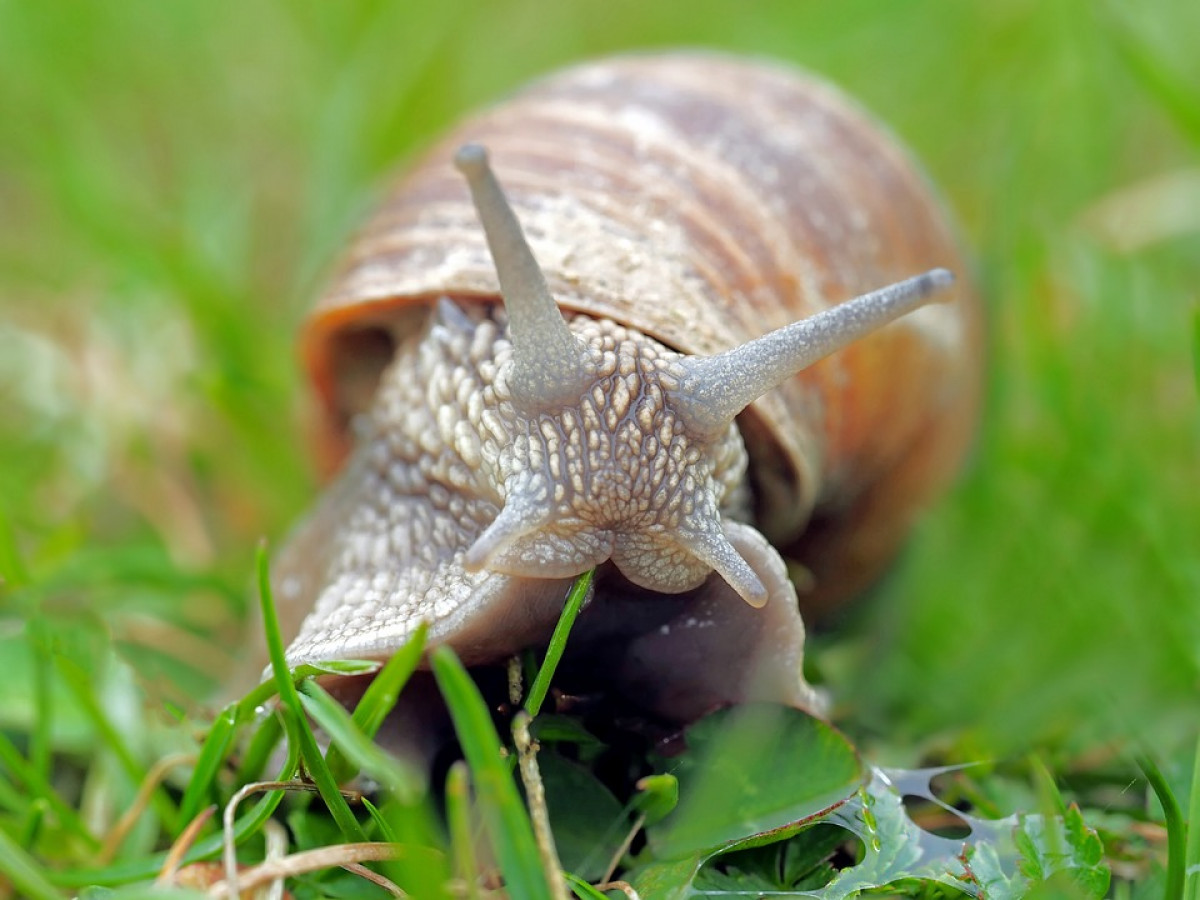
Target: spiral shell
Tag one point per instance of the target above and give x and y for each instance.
(702, 201)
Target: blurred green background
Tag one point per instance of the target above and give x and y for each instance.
(176, 178)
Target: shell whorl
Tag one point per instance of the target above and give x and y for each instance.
(704, 201)
(645, 414)
(682, 206)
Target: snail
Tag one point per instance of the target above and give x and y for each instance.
(634, 347)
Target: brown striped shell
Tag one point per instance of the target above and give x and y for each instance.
(702, 200)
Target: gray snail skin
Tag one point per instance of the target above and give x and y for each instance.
(682, 334)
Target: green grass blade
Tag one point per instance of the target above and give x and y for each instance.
(358, 749)
(210, 846)
(425, 874)
(1196, 348)
(582, 889)
(12, 567)
(269, 689)
(149, 866)
(406, 818)
(81, 685)
(1192, 855)
(34, 818)
(558, 642)
(384, 689)
(40, 740)
(379, 698)
(310, 753)
(20, 869)
(1173, 90)
(13, 800)
(386, 832)
(212, 756)
(504, 817)
(37, 785)
(1175, 827)
(458, 819)
(258, 753)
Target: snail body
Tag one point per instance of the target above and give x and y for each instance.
(623, 368)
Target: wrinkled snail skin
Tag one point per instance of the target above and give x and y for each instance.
(618, 387)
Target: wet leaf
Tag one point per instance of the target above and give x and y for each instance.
(755, 772)
(659, 796)
(588, 821)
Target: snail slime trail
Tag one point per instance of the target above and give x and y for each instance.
(683, 334)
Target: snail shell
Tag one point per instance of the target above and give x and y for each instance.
(679, 207)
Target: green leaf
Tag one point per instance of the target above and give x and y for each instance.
(754, 772)
(659, 795)
(1006, 858)
(797, 864)
(893, 846)
(669, 880)
(504, 817)
(589, 823)
(1062, 847)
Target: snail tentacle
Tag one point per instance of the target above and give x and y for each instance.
(714, 549)
(548, 363)
(715, 389)
(518, 517)
(505, 445)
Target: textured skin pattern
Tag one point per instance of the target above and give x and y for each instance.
(613, 477)
(705, 200)
(702, 201)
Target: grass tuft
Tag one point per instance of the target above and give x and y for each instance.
(505, 820)
(164, 236)
(297, 726)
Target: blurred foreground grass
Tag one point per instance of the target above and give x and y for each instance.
(175, 179)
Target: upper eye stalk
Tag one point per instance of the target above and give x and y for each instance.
(548, 362)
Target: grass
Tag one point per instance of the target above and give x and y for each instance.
(175, 182)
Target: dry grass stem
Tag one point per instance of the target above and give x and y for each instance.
(276, 848)
(539, 815)
(623, 886)
(375, 878)
(624, 848)
(230, 855)
(306, 861)
(183, 843)
(516, 691)
(129, 819)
